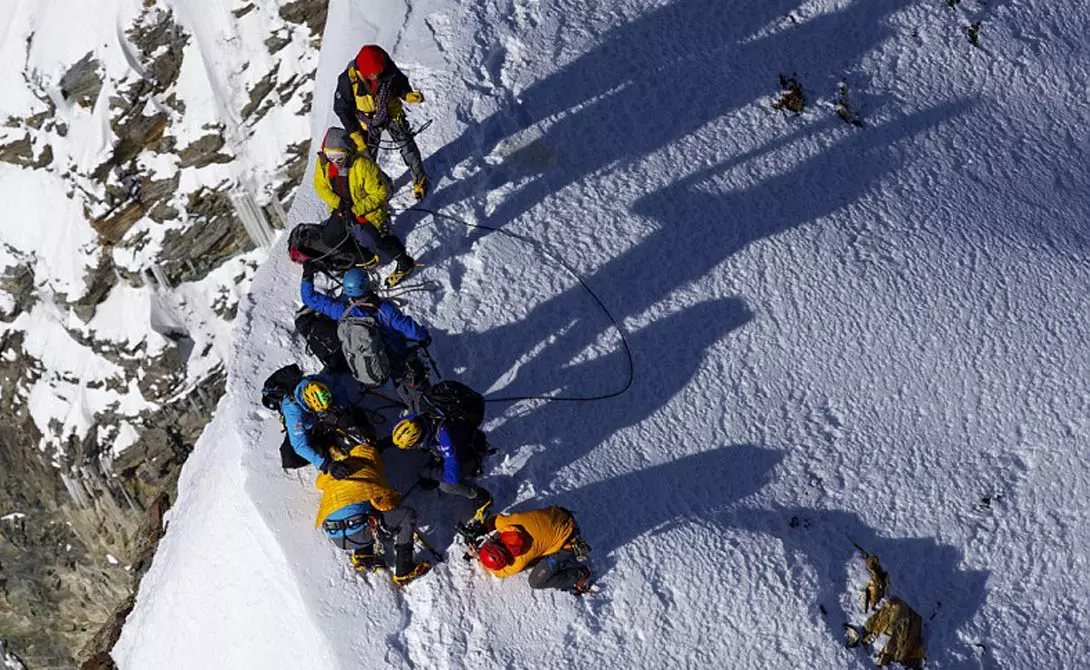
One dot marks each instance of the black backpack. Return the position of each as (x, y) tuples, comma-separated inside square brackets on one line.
[(279, 384), (306, 242), (320, 333), (454, 401)]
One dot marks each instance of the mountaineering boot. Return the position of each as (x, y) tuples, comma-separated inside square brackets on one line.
[(405, 267), (583, 585), (483, 501), (364, 559), (405, 570), (420, 187)]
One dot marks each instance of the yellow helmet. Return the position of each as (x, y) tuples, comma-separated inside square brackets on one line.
[(407, 433), (316, 397)]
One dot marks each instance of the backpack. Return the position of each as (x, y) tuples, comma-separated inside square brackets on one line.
[(279, 384), (363, 348), (306, 243), (454, 401), (320, 334)]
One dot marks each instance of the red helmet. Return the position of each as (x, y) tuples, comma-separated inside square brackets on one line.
[(370, 61), (494, 556)]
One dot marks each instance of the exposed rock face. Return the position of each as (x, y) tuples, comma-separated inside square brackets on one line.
[(311, 12), (79, 525), (82, 82)]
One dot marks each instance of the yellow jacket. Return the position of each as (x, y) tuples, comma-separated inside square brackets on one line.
[(366, 484), (368, 186), (549, 529)]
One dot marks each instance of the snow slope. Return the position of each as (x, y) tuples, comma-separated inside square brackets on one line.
[(840, 334)]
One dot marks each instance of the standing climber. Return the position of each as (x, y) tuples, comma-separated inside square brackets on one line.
[(368, 101), (544, 540), (377, 339), (358, 194)]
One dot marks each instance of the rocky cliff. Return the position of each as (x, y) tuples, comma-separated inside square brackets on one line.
[(108, 378)]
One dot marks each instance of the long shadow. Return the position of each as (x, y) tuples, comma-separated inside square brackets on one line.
[(698, 230), (923, 572), (668, 353), (615, 511), (674, 348), (648, 84)]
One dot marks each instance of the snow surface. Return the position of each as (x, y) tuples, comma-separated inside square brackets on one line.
[(871, 335)]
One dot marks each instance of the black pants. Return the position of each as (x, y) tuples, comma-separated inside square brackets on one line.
[(557, 571), (402, 136)]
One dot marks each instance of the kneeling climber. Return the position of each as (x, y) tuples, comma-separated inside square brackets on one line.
[(544, 540), (359, 509)]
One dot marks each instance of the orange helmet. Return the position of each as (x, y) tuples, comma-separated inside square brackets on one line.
[(370, 61)]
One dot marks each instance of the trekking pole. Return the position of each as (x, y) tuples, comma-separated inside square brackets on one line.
[(431, 362)]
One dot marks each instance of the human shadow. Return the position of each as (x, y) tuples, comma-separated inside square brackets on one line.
[(695, 488), (647, 85), (698, 230), (924, 573), (673, 347), (669, 353)]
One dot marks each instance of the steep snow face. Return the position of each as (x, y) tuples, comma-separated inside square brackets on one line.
[(842, 336)]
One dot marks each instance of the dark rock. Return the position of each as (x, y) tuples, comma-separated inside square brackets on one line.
[(313, 13), (82, 82), (19, 152), (243, 11), (258, 94), (277, 41), (19, 283), (295, 168), (204, 151), (112, 228)]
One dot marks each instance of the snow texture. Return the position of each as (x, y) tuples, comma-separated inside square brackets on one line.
[(841, 334)]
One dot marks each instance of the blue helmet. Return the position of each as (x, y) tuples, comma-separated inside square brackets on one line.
[(357, 282)]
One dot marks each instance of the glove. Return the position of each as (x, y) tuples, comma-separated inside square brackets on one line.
[(357, 137), (344, 206), (308, 271), (414, 97), (336, 469)]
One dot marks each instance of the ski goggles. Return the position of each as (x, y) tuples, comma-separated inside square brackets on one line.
[(338, 157)]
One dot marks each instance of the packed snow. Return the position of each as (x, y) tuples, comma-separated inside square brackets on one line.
[(841, 336)]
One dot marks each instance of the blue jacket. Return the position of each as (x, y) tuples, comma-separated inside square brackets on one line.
[(454, 443), (299, 420), (398, 331)]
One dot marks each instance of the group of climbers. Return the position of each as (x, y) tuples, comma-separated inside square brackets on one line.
[(365, 340)]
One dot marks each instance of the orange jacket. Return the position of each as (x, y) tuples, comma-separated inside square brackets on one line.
[(549, 529)]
